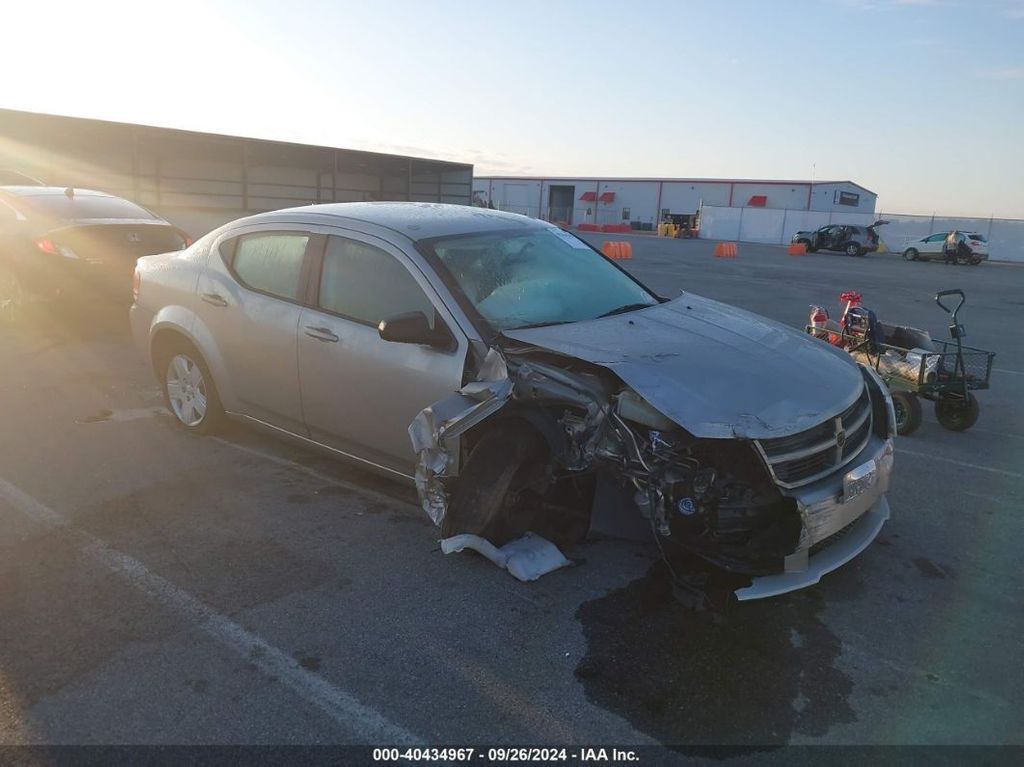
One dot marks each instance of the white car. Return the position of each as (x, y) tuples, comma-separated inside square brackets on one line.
[(934, 247)]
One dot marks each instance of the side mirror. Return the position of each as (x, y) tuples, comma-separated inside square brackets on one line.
[(414, 328)]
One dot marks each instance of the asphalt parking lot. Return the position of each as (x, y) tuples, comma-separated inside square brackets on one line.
[(157, 587)]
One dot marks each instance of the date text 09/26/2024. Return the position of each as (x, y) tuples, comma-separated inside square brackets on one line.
[(505, 754)]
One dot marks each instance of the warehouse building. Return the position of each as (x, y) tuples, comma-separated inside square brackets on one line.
[(641, 203), (199, 181)]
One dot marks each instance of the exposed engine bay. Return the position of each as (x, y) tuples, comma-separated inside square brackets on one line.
[(712, 498)]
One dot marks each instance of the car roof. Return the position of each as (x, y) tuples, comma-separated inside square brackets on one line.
[(415, 220)]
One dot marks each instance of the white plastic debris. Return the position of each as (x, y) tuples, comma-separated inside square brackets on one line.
[(526, 558)]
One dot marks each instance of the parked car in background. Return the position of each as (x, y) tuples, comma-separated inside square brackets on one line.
[(519, 378), (74, 242), (851, 239), (933, 247)]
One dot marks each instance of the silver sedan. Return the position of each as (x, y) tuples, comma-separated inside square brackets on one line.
[(525, 383)]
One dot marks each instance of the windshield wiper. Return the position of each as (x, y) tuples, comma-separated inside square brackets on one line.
[(540, 324), (624, 309)]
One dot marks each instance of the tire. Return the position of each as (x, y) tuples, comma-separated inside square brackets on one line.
[(12, 296), (975, 261), (811, 248), (910, 254), (908, 412), (963, 260), (853, 249), (189, 391), (955, 414), (492, 498)]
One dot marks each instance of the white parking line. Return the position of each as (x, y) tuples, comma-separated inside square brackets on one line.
[(1011, 372), (965, 464), (365, 723)]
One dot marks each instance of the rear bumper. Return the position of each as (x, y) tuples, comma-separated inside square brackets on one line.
[(52, 276)]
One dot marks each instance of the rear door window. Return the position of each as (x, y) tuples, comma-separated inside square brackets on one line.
[(271, 262), (364, 283)]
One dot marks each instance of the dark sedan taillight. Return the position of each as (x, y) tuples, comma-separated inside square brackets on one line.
[(45, 244)]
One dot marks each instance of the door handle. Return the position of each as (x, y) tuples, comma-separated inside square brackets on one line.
[(321, 334), (214, 299)]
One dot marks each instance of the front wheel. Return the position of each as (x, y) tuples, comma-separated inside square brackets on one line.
[(956, 413), (910, 254), (852, 249), (908, 412), (189, 391), (498, 492)]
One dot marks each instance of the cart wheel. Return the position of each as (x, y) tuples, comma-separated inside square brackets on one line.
[(956, 414), (908, 412)]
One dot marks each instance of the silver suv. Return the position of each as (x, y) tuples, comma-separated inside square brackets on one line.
[(851, 239)]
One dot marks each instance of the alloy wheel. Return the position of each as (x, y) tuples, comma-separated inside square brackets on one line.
[(186, 390)]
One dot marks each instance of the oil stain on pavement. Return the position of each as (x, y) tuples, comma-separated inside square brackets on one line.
[(761, 675)]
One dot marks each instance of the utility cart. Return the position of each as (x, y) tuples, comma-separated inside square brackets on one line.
[(912, 364)]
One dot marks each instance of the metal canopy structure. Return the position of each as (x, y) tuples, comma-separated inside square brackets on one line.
[(204, 179)]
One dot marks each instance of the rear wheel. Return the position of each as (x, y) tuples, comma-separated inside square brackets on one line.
[(908, 412), (956, 413), (188, 387), (12, 297), (910, 254), (852, 249)]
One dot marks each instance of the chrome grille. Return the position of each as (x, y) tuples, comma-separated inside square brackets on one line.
[(802, 458)]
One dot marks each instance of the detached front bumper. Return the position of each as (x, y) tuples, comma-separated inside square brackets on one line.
[(836, 529)]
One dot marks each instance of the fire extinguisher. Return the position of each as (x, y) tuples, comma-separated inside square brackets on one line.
[(819, 321)]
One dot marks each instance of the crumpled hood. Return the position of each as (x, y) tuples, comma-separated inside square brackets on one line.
[(717, 371)]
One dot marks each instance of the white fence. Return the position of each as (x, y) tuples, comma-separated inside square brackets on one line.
[(1005, 236)]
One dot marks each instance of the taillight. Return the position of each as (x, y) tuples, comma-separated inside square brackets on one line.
[(136, 284), (46, 245), (975, 244)]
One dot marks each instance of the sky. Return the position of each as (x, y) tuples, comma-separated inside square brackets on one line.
[(921, 101)]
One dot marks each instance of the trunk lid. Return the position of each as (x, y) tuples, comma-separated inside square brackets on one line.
[(117, 243)]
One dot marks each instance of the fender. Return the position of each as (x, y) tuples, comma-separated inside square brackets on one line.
[(187, 323)]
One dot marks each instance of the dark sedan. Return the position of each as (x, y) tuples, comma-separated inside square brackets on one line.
[(74, 242)]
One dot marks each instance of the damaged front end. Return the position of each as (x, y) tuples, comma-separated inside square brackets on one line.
[(705, 501)]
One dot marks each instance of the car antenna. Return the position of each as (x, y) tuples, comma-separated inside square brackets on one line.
[(70, 192)]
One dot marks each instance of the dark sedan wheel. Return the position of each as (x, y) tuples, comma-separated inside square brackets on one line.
[(189, 391), (852, 249), (910, 254), (12, 296)]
